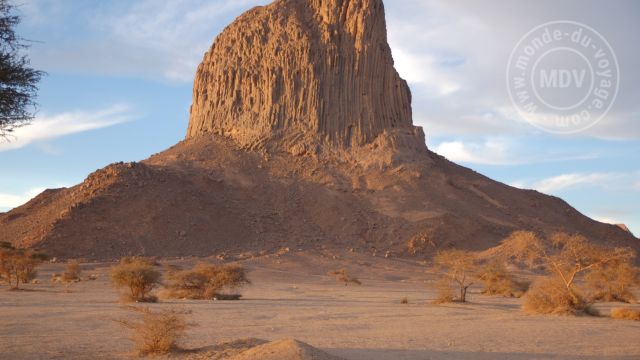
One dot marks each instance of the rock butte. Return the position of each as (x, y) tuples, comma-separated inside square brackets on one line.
[(300, 136), (307, 77)]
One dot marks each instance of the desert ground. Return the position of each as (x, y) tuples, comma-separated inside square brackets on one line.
[(292, 297)]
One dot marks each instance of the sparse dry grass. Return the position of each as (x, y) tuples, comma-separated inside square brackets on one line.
[(625, 314), (138, 276), (342, 276), (206, 282), (156, 333), (497, 280)]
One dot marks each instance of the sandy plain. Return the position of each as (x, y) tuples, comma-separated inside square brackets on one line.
[(292, 297)]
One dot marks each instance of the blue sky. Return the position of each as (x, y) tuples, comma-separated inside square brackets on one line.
[(120, 73)]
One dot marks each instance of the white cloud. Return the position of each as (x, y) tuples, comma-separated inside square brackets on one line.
[(10, 201), (619, 182), (491, 152), (605, 180), (424, 71), (503, 151), (618, 126), (48, 127), (455, 44), (566, 181)]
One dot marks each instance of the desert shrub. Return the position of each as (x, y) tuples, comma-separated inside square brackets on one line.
[(342, 276), (420, 243), (18, 265), (136, 276), (139, 260), (404, 300), (549, 295), (625, 314), (567, 259), (456, 267), (613, 282), (72, 271), (444, 292), (156, 333), (206, 282), (56, 278), (497, 280)]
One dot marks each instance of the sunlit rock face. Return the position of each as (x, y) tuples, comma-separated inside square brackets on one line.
[(306, 77)]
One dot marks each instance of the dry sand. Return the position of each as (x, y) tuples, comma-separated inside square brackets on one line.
[(291, 297)]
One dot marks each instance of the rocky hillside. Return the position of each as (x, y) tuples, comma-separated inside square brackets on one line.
[(300, 136)]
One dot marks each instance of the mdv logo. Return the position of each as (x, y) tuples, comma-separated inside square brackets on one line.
[(562, 78)]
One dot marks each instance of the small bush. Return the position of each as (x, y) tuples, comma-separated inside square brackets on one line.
[(342, 276), (56, 278), (550, 296), (404, 301), (156, 333), (206, 282), (625, 314), (138, 277), (444, 292), (72, 271), (497, 281)]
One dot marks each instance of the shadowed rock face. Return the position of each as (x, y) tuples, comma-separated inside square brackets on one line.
[(305, 77)]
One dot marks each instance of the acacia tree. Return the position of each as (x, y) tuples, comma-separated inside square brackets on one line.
[(18, 265), (18, 81), (457, 267), (566, 257)]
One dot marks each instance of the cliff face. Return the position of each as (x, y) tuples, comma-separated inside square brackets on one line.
[(305, 76)]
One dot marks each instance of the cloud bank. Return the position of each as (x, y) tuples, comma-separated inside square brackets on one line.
[(49, 127)]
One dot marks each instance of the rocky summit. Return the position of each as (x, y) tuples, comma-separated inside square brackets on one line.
[(300, 136), (306, 77)]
